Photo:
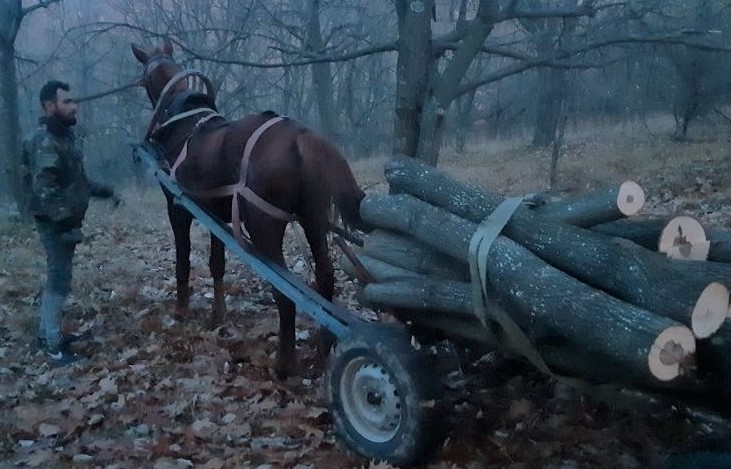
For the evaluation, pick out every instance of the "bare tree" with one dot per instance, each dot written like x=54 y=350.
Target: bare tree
x=11 y=17
x=342 y=65
x=702 y=76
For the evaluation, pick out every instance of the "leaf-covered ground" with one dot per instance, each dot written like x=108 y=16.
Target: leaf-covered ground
x=161 y=391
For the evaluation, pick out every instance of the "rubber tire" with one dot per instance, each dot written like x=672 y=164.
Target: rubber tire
x=418 y=390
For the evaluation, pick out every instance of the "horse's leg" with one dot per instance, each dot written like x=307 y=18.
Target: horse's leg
x=217 y=264
x=180 y=221
x=316 y=232
x=267 y=235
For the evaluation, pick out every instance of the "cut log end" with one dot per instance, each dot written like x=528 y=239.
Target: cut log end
x=684 y=238
x=671 y=353
x=630 y=198
x=710 y=310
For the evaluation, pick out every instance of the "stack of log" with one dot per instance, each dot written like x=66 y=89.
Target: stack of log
x=599 y=296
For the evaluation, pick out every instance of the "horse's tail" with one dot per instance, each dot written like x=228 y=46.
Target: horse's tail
x=325 y=166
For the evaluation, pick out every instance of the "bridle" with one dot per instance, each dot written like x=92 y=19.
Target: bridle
x=150 y=66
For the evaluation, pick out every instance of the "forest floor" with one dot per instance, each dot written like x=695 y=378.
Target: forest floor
x=161 y=391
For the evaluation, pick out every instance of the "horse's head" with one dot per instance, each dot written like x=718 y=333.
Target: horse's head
x=159 y=69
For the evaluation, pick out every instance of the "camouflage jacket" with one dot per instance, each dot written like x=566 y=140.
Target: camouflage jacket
x=59 y=188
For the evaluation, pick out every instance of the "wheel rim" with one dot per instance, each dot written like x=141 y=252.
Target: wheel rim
x=370 y=400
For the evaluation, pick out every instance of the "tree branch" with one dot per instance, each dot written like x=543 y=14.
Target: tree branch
x=556 y=59
x=92 y=97
x=389 y=47
x=40 y=4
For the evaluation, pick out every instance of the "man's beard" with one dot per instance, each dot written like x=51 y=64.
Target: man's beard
x=67 y=120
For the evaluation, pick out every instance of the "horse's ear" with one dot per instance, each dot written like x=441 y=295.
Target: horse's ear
x=141 y=55
x=167 y=46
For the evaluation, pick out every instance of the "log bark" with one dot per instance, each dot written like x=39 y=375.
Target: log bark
x=642 y=231
x=378 y=270
x=411 y=255
x=601 y=206
x=643 y=278
x=720 y=244
x=551 y=306
x=452 y=298
x=714 y=358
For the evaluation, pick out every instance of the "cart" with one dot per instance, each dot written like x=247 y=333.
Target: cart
x=380 y=387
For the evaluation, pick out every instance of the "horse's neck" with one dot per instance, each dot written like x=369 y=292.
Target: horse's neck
x=174 y=137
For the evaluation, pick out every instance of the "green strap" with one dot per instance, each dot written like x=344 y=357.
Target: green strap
x=487 y=308
x=483 y=306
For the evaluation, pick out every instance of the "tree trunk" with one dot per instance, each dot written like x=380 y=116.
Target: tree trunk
x=423 y=94
x=412 y=73
x=432 y=131
x=321 y=73
x=463 y=119
x=10 y=138
x=548 y=106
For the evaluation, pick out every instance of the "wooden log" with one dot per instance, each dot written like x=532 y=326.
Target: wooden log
x=601 y=206
x=378 y=270
x=452 y=298
x=714 y=358
x=549 y=305
x=684 y=238
x=642 y=231
x=638 y=276
x=399 y=251
x=710 y=311
x=720 y=239
x=646 y=232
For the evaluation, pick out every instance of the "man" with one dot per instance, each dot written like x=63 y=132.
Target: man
x=59 y=197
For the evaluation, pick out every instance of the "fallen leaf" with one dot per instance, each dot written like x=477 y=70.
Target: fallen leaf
x=47 y=429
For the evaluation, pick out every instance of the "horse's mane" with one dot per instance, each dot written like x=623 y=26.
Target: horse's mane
x=190 y=99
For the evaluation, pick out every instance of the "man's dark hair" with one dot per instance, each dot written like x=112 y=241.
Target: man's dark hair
x=49 y=90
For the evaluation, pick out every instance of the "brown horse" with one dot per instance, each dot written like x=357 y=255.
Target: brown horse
x=296 y=172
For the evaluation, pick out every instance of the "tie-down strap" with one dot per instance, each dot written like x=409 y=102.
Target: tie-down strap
x=486 y=308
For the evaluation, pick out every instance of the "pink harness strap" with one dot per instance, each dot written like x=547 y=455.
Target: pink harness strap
x=184 y=152
x=240 y=188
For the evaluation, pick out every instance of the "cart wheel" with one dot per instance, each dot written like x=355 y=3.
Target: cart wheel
x=383 y=396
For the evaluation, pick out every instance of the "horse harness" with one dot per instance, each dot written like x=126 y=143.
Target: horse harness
x=234 y=190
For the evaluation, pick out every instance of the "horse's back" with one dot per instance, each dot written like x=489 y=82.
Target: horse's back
x=273 y=170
